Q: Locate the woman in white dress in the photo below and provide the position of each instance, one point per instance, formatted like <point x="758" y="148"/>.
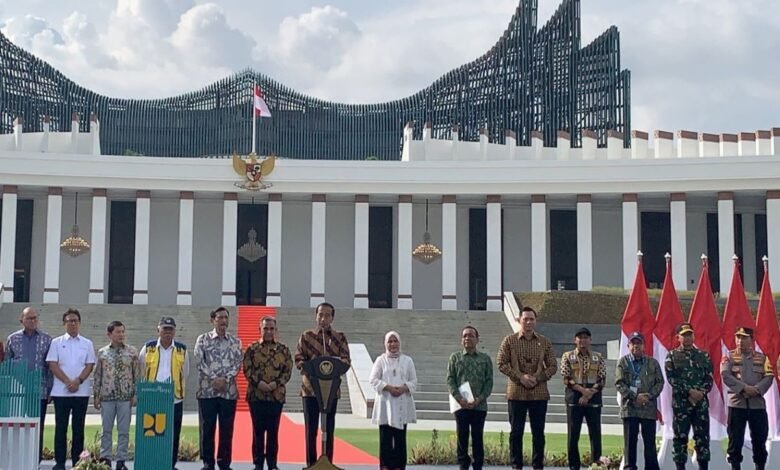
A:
<point x="394" y="379"/>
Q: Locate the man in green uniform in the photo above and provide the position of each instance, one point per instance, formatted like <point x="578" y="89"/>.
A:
<point x="689" y="372"/>
<point x="748" y="375"/>
<point x="475" y="368"/>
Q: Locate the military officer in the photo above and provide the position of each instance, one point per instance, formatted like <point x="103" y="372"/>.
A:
<point x="689" y="372"/>
<point x="748" y="375"/>
<point x="584" y="375"/>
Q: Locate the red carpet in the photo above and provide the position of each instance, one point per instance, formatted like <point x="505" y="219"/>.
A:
<point x="291" y="436"/>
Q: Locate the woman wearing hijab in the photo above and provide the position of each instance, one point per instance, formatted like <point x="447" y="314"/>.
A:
<point x="394" y="379"/>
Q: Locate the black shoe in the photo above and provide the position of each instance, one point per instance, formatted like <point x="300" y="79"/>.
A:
<point x="703" y="465"/>
<point x="120" y="465"/>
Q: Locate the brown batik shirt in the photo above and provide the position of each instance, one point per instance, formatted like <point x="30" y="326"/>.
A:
<point x="270" y="362"/>
<point x="310" y="346"/>
<point x="517" y="356"/>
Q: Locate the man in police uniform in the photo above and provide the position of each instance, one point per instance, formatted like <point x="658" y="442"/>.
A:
<point x="584" y="375"/>
<point x="689" y="372"/>
<point x="748" y="376"/>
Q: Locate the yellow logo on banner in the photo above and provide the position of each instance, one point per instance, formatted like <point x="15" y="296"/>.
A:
<point x="154" y="425"/>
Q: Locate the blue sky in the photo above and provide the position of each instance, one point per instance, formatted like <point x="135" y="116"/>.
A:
<point x="702" y="65"/>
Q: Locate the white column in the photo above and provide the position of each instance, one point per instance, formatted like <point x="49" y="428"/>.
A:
<point x="404" y="252"/>
<point x="584" y="243"/>
<point x="51" y="275"/>
<point x="772" y="227"/>
<point x="229" y="248"/>
<point x="8" y="243"/>
<point x="97" y="252"/>
<point x="449" y="266"/>
<point x="494" y="254"/>
<point x="725" y="240"/>
<point x="630" y="238"/>
<point x="318" y="224"/>
<point x="273" y="296"/>
<point x="677" y="213"/>
<point x="141" y="269"/>
<point x="360" y="299"/>
<point x="538" y="243"/>
<point x="186" y="221"/>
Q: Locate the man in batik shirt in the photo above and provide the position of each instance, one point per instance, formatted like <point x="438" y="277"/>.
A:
<point x="218" y="354"/>
<point x="267" y="367"/>
<point x="116" y="372"/>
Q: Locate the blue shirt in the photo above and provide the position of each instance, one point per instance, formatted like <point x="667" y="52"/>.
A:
<point x="32" y="349"/>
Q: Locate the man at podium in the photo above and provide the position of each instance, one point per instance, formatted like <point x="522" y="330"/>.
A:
<point x="322" y="341"/>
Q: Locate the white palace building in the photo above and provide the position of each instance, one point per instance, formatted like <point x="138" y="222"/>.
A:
<point x="181" y="231"/>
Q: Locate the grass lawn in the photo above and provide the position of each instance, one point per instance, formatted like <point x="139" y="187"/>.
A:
<point x="368" y="440"/>
<point x="92" y="433"/>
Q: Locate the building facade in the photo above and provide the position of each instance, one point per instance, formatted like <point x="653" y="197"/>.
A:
<point x="533" y="79"/>
<point x="506" y="218"/>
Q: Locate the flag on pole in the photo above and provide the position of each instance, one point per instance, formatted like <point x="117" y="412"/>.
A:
<point x="707" y="337"/>
<point x="737" y="313"/>
<point x="664" y="340"/>
<point x="768" y="341"/>
<point x="261" y="107"/>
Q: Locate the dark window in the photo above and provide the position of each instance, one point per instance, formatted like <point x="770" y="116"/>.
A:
<point x="121" y="253"/>
<point x="251" y="278"/>
<point x="380" y="257"/>
<point x="563" y="249"/>
<point x="477" y="259"/>
<point x="656" y="239"/>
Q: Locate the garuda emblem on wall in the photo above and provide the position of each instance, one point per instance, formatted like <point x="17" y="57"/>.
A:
<point x="253" y="171"/>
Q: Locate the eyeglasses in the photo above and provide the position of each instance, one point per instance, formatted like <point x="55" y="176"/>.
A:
<point x="72" y="320"/>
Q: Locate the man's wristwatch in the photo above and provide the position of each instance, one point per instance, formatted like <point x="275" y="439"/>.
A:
<point x="81" y="381"/>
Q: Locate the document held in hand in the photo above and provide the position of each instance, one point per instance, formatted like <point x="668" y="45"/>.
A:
<point x="466" y="393"/>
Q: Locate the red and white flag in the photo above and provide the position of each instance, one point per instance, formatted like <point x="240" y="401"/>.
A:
<point x="638" y="316"/>
<point x="664" y="340"/>
<point x="707" y="336"/>
<point x="261" y="107"/>
<point x="737" y="314"/>
<point x="768" y="341"/>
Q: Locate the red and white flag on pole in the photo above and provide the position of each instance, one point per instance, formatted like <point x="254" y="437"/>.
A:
<point x="638" y="316"/>
<point x="768" y="341"/>
<point x="707" y="336"/>
<point x="664" y="340"/>
<point x="261" y="107"/>
<point x="737" y="313"/>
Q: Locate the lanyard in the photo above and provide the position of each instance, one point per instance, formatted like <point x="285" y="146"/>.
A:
<point x="634" y="369"/>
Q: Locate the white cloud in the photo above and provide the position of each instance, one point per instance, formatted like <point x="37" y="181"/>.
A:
<point x="203" y="36"/>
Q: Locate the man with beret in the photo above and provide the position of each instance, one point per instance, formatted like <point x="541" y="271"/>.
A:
<point x="639" y="381"/>
<point x="584" y="375"/>
<point x="689" y="372"/>
<point x="748" y="375"/>
<point x="165" y="359"/>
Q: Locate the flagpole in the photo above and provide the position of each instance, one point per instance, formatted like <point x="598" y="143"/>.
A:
<point x="254" y="121"/>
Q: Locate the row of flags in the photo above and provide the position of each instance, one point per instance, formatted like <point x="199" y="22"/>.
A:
<point x="711" y="335"/>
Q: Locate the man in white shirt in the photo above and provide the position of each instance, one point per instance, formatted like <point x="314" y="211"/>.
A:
<point x="71" y="359"/>
<point x="165" y="359"/>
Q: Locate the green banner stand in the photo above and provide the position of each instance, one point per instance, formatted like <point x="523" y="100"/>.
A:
<point x="20" y="409"/>
<point x="154" y="425"/>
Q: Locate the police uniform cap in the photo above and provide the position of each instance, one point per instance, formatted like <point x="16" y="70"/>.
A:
<point x="684" y="328"/>
<point x="742" y="331"/>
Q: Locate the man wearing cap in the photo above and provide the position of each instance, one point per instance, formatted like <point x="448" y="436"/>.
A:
<point x="689" y="372"/>
<point x="748" y="375"/>
<point x="527" y="359"/>
<point x="584" y="375"/>
<point x="639" y="381"/>
<point x="165" y="359"/>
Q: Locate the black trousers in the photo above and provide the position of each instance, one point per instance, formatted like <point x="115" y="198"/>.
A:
<point x="759" y="431"/>
<point x="178" y="413"/>
<point x="574" y="417"/>
<point x="536" y="411"/>
<point x="631" y="428"/>
<point x="470" y="422"/>
<point x="64" y="407"/>
<point x="266" y="416"/>
<point x="311" y="421"/>
<point x="392" y="447"/>
<point x="211" y="411"/>
<point x="44" y="408"/>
